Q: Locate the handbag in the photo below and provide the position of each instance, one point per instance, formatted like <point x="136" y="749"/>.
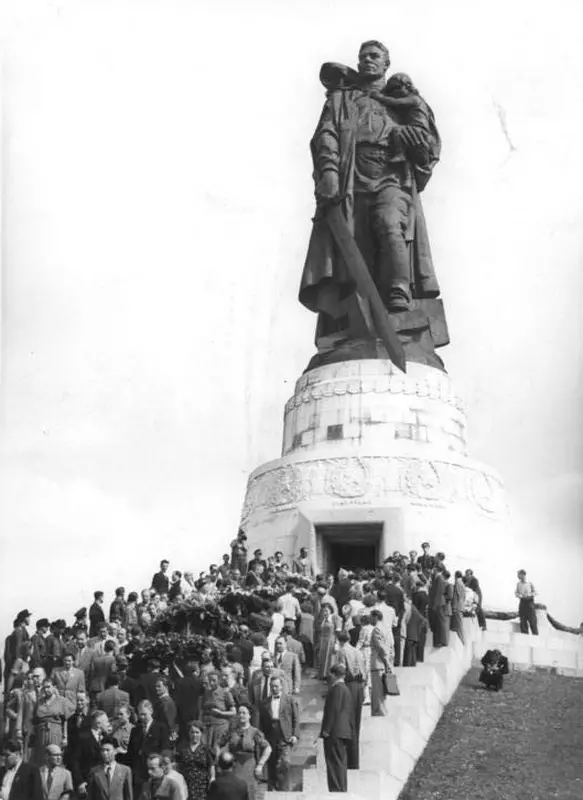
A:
<point x="390" y="685"/>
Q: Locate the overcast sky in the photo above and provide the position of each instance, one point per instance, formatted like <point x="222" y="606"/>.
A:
<point x="157" y="199"/>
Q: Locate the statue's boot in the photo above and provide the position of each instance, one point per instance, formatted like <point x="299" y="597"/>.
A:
<point x="398" y="299"/>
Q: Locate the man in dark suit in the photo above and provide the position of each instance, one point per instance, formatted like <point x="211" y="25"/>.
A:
<point x="78" y="723"/>
<point x="18" y="780"/>
<point x="337" y="730"/>
<point x="39" y="644"/>
<point x="227" y="786"/>
<point x="188" y="696"/>
<point x="109" y="780"/>
<point x="146" y="738"/>
<point x="438" y="620"/>
<point x="87" y="754"/>
<point x="148" y="681"/>
<point x="279" y="719"/>
<point x="96" y="615"/>
<point x="15" y="640"/>
<point x="353" y="662"/>
<point x="160" y="580"/>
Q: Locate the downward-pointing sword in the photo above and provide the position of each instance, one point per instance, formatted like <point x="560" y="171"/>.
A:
<point x="365" y="285"/>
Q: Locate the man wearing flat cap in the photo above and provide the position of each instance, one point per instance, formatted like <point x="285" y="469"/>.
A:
<point x="80" y="623"/>
<point x="14" y="642"/>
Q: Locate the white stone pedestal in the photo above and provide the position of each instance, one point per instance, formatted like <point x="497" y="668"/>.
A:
<point x="383" y="455"/>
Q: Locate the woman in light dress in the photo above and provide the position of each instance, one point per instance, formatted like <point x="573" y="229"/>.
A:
<point x="329" y="624"/>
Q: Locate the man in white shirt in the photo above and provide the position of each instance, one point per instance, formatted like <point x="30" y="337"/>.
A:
<point x="526" y="593"/>
<point x="279" y="719"/>
<point x="290" y="607"/>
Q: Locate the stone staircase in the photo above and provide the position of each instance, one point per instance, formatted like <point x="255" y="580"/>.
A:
<point x="390" y="746"/>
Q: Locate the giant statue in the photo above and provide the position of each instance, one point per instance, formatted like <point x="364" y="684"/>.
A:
<point x="374" y="151"/>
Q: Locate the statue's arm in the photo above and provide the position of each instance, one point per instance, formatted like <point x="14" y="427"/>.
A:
<point x="326" y="152"/>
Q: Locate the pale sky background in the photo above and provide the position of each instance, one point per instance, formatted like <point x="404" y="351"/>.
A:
<point x="157" y="199"/>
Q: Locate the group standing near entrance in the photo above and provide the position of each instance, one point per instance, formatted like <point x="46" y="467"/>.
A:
<point x="103" y="691"/>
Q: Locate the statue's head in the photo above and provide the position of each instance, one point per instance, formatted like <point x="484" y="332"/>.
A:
<point x="400" y="85"/>
<point x="373" y="60"/>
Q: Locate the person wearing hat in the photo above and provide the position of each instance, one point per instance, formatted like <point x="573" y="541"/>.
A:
<point x="80" y="623"/>
<point x="258" y="559"/>
<point x="57" y="781"/>
<point x="55" y="645"/>
<point x="14" y="642"/>
<point x="117" y="607"/>
<point x="96" y="615"/>
<point x="39" y="644"/>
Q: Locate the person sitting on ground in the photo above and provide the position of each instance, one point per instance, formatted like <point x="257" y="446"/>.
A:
<point x="495" y="666"/>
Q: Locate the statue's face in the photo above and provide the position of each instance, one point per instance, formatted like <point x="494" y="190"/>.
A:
<point x="372" y="62"/>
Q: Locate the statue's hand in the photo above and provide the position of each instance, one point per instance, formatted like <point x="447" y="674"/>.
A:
<point x="328" y="186"/>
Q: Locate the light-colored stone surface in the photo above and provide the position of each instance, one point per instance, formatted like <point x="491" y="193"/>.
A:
<point x="374" y="401"/>
<point x="413" y="488"/>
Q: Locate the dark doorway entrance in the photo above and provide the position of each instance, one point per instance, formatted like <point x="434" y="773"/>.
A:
<point x="350" y="546"/>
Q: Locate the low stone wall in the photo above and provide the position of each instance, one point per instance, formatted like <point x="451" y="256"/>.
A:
<point x="551" y="649"/>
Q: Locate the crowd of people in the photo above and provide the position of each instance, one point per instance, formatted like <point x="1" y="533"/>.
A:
<point x="191" y="688"/>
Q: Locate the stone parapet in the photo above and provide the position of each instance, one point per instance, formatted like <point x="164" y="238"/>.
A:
<point x="371" y="401"/>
